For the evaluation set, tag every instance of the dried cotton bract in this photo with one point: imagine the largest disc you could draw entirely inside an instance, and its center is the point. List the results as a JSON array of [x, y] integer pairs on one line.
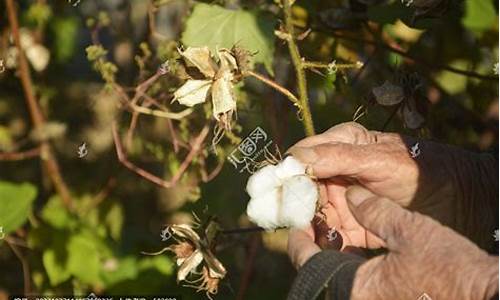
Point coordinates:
[[217, 83], [282, 195]]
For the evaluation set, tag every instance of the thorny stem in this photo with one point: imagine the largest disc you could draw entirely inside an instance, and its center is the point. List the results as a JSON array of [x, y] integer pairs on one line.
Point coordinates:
[[46, 154], [299, 69]]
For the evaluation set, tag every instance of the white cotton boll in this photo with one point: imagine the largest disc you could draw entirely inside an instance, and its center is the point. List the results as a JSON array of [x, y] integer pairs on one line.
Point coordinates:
[[262, 181], [282, 196], [299, 206], [290, 167], [264, 210]]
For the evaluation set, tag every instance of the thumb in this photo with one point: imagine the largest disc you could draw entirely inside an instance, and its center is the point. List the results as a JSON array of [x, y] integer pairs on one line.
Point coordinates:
[[380, 216]]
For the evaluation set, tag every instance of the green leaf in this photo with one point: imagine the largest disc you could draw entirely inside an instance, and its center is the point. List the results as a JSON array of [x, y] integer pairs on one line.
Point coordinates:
[[55, 214], [15, 204], [479, 15], [83, 258], [125, 269], [217, 27], [114, 220], [65, 37], [56, 270], [162, 263]]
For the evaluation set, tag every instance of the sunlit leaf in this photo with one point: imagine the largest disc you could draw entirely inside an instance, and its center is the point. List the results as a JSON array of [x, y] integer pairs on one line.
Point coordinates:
[[479, 14], [83, 258], [55, 214], [217, 27], [55, 266], [15, 204]]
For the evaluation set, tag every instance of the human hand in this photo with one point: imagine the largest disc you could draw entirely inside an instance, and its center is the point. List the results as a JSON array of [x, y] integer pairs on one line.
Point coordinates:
[[423, 256], [444, 182]]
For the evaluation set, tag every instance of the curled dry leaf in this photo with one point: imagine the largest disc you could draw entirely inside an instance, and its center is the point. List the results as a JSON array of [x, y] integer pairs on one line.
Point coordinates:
[[200, 58], [223, 99], [412, 117], [388, 94], [193, 92]]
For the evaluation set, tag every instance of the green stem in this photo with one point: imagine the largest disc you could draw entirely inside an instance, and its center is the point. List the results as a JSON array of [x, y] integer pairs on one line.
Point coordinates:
[[299, 70]]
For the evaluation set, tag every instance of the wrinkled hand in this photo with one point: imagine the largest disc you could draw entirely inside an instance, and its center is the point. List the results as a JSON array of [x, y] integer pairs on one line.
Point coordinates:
[[434, 183], [423, 257]]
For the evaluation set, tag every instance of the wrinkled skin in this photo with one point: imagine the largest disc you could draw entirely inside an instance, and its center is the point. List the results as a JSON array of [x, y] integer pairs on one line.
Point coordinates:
[[423, 257], [434, 183], [431, 183]]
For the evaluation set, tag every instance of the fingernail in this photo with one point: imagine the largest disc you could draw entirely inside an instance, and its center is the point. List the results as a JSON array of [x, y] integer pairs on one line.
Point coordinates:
[[303, 154], [357, 194]]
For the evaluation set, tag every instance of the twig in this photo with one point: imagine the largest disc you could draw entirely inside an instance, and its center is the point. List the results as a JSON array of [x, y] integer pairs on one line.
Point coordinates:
[[153, 112], [110, 185], [16, 156], [24, 264], [321, 65], [37, 118], [275, 86], [173, 135], [209, 177], [299, 69], [140, 91], [195, 148]]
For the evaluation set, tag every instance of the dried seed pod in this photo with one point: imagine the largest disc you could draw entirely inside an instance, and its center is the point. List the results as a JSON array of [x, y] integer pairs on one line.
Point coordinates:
[[326, 237]]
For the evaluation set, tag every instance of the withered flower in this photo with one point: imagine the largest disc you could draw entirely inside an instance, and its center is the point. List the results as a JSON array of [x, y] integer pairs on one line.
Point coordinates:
[[216, 81], [191, 252]]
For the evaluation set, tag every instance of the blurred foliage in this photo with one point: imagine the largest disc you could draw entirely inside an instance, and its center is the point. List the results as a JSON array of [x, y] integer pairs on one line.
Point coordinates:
[[85, 58]]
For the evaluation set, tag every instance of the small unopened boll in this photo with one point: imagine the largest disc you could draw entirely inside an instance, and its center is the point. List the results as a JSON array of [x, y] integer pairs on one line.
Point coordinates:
[[282, 195]]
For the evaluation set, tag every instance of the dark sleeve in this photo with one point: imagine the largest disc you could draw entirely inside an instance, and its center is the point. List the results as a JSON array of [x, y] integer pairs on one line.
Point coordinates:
[[328, 268]]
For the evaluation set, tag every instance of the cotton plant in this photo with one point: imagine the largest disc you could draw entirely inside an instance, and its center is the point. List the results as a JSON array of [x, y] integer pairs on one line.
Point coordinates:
[[217, 84], [282, 195]]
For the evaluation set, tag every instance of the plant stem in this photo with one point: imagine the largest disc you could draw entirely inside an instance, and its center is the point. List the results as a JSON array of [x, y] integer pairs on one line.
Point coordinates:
[[46, 154], [275, 86], [299, 69], [320, 65]]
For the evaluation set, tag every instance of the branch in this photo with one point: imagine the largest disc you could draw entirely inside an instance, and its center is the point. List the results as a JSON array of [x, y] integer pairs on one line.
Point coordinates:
[[24, 264], [37, 118], [275, 86], [195, 148], [299, 69], [140, 90], [16, 156], [147, 111]]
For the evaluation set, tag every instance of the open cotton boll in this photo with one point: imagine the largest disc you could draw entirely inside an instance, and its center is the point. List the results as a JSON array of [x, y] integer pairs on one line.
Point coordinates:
[[300, 194], [290, 167], [263, 181], [264, 210], [282, 196]]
